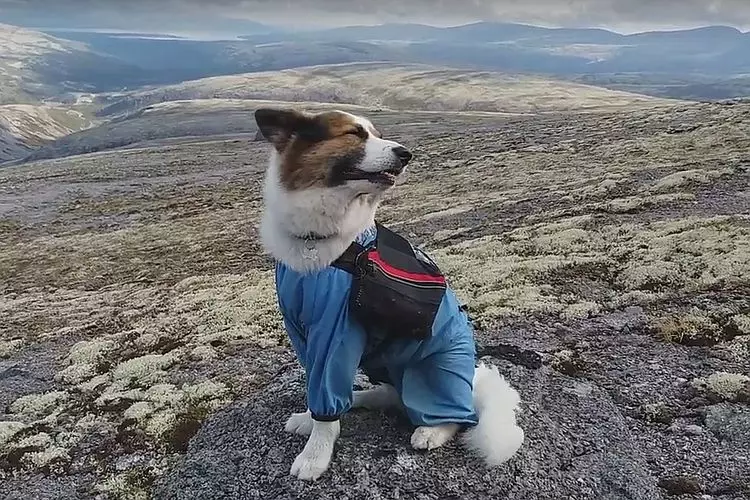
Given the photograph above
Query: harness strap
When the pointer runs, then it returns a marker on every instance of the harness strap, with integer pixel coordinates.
(348, 260)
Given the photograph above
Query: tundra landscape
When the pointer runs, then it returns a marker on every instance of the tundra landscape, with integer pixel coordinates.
(601, 240)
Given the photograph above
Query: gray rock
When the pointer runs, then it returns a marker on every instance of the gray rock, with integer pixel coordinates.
(730, 422)
(691, 429)
(577, 446)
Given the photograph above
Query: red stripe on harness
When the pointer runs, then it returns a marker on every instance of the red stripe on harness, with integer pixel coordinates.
(400, 273)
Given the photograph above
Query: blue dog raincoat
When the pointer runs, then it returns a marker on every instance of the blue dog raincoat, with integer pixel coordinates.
(433, 376)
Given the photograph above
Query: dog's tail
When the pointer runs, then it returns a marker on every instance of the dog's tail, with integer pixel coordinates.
(496, 437)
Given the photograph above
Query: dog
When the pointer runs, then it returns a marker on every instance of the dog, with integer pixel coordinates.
(328, 172)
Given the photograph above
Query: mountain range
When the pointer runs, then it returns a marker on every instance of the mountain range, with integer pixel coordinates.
(667, 63)
(95, 73)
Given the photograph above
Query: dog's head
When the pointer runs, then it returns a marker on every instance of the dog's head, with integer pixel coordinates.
(330, 150)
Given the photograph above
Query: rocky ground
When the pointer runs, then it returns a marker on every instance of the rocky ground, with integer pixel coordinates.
(605, 258)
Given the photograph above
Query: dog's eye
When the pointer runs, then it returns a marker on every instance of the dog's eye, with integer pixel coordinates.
(359, 131)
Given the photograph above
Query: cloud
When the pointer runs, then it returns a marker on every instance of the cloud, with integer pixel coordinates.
(676, 13)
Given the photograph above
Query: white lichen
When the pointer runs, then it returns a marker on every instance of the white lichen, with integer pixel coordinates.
(161, 424)
(95, 385)
(114, 396)
(204, 353)
(144, 370)
(580, 310)
(742, 322)
(40, 405)
(10, 347)
(37, 441)
(76, 374)
(8, 430)
(166, 395)
(206, 391)
(90, 352)
(685, 177)
(46, 457)
(723, 384)
(139, 411)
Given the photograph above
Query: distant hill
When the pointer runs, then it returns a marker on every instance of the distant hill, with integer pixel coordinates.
(35, 66)
(25, 127)
(54, 63)
(390, 85)
(711, 55)
(224, 105)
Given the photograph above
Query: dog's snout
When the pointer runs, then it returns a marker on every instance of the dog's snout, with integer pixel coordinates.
(402, 154)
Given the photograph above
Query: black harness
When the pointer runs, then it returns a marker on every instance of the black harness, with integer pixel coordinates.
(396, 288)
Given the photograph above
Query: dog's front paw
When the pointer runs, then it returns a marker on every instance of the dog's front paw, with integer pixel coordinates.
(311, 464)
(316, 457)
(300, 423)
(428, 438)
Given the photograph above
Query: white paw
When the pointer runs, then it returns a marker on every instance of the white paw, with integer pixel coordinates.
(310, 466)
(300, 423)
(428, 438)
(316, 457)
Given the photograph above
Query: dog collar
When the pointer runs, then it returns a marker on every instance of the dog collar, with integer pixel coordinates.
(312, 237)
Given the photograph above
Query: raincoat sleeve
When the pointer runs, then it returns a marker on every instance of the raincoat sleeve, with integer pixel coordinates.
(332, 344)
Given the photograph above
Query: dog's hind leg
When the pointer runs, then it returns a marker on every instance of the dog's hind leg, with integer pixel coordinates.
(380, 397)
(430, 437)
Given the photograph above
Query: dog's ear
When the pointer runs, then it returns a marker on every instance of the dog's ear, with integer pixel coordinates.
(279, 125)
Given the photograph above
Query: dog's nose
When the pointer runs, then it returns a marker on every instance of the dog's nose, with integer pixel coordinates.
(402, 154)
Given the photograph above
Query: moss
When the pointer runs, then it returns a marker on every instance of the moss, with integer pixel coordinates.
(45, 459)
(8, 430)
(10, 347)
(39, 441)
(602, 188)
(90, 352)
(656, 276)
(514, 301)
(580, 310)
(129, 485)
(85, 360)
(686, 178)
(690, 254)
(76, 374)
(657, 412)
(161, 425)
(40, 405)
(634, 203)
(170, 415)
(146, 341)
(115, 398)
(204, 353)
(742, 323)
(693, 328)
(206, 391)
(139, 411)
(736, 350)
(95, 385)
(725, 386)
(567, 362)
(562, 242)
(144, 370)
(634, 298)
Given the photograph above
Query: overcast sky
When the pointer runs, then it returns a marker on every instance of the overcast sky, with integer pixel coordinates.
(622, 15)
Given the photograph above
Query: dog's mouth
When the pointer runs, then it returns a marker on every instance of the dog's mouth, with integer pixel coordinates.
(384, 177)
